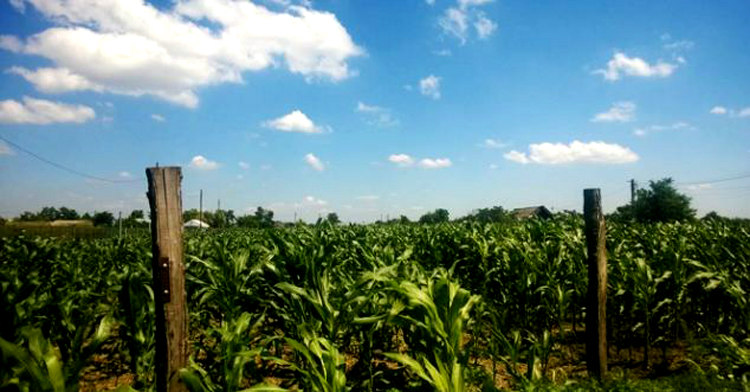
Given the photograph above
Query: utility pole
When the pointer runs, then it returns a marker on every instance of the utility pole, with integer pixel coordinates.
(200, 211)
(632, 191)
(119, 221)
(218, 205)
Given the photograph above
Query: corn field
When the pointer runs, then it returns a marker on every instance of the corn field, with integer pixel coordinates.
(448, 307)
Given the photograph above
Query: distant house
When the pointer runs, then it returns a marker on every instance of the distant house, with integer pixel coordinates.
(531, 212)
(196, 223)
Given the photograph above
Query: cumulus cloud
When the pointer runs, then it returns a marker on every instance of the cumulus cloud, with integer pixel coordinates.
(125, 174)
(402, 160)
(719, 110)
(430, 86)
(619, 112)
(243, 165)
(158, 117)
(376, 115)
(5, 149)
(41, 112)
(314, 162)
(296, 121)
(437, 163)
(575, 152)
(133, 48)
(621, 64)
(201, 163)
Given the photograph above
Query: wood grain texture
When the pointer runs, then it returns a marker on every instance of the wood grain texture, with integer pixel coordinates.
(165, 200)
(596, 304)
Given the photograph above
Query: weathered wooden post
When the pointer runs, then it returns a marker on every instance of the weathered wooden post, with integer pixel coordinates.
(165, 200)
(596, 299)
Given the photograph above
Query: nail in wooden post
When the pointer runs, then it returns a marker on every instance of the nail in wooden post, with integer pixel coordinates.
(596, 300)
(165, 199)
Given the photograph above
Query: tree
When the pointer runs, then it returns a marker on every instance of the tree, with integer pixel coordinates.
(438, 216)
(264, 217)
(488, 215)
(68, 214)
(104, 218)
(136, 214)
(48, 214)
(333, 218)
(660, 203)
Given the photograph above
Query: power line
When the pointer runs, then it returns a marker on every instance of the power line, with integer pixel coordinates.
(715, 181)
(65, 168)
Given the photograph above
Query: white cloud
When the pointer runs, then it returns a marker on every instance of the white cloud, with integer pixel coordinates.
(40, 111)
(243, 165)
(455, 22)
(442, 52)
(133, 48)
(158, 117)
(430, 2)
(311, 201)
(660, 128)
(54, 80)
(376, 115)
(430, 86)
(438, 163)
(493, 166)
(575, 152)
(11, 43)
(719, 110)
(493, 144)
(464, 4)
(201, 163)
(18, 5)
(619, 112)
(5, 149)
(621, 64)
(402, 160)
(314, 162)
(296, 121)
(125, 174)
(484, 26)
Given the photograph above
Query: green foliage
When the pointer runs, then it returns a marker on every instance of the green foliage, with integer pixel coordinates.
(660, 203)
(104, 218)
(368, 308)
(440, 215)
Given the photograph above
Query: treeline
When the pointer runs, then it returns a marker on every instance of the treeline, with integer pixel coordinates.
(660, 202)
(98, 218)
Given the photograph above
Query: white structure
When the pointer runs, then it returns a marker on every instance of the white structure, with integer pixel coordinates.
(196, 223)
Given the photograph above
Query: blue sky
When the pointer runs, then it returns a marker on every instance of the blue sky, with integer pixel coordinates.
(373, 108)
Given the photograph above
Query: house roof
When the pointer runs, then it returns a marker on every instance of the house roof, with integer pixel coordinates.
(528, 212)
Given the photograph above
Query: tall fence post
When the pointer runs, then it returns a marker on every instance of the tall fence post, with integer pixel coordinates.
(165, 200)
(596, 300)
